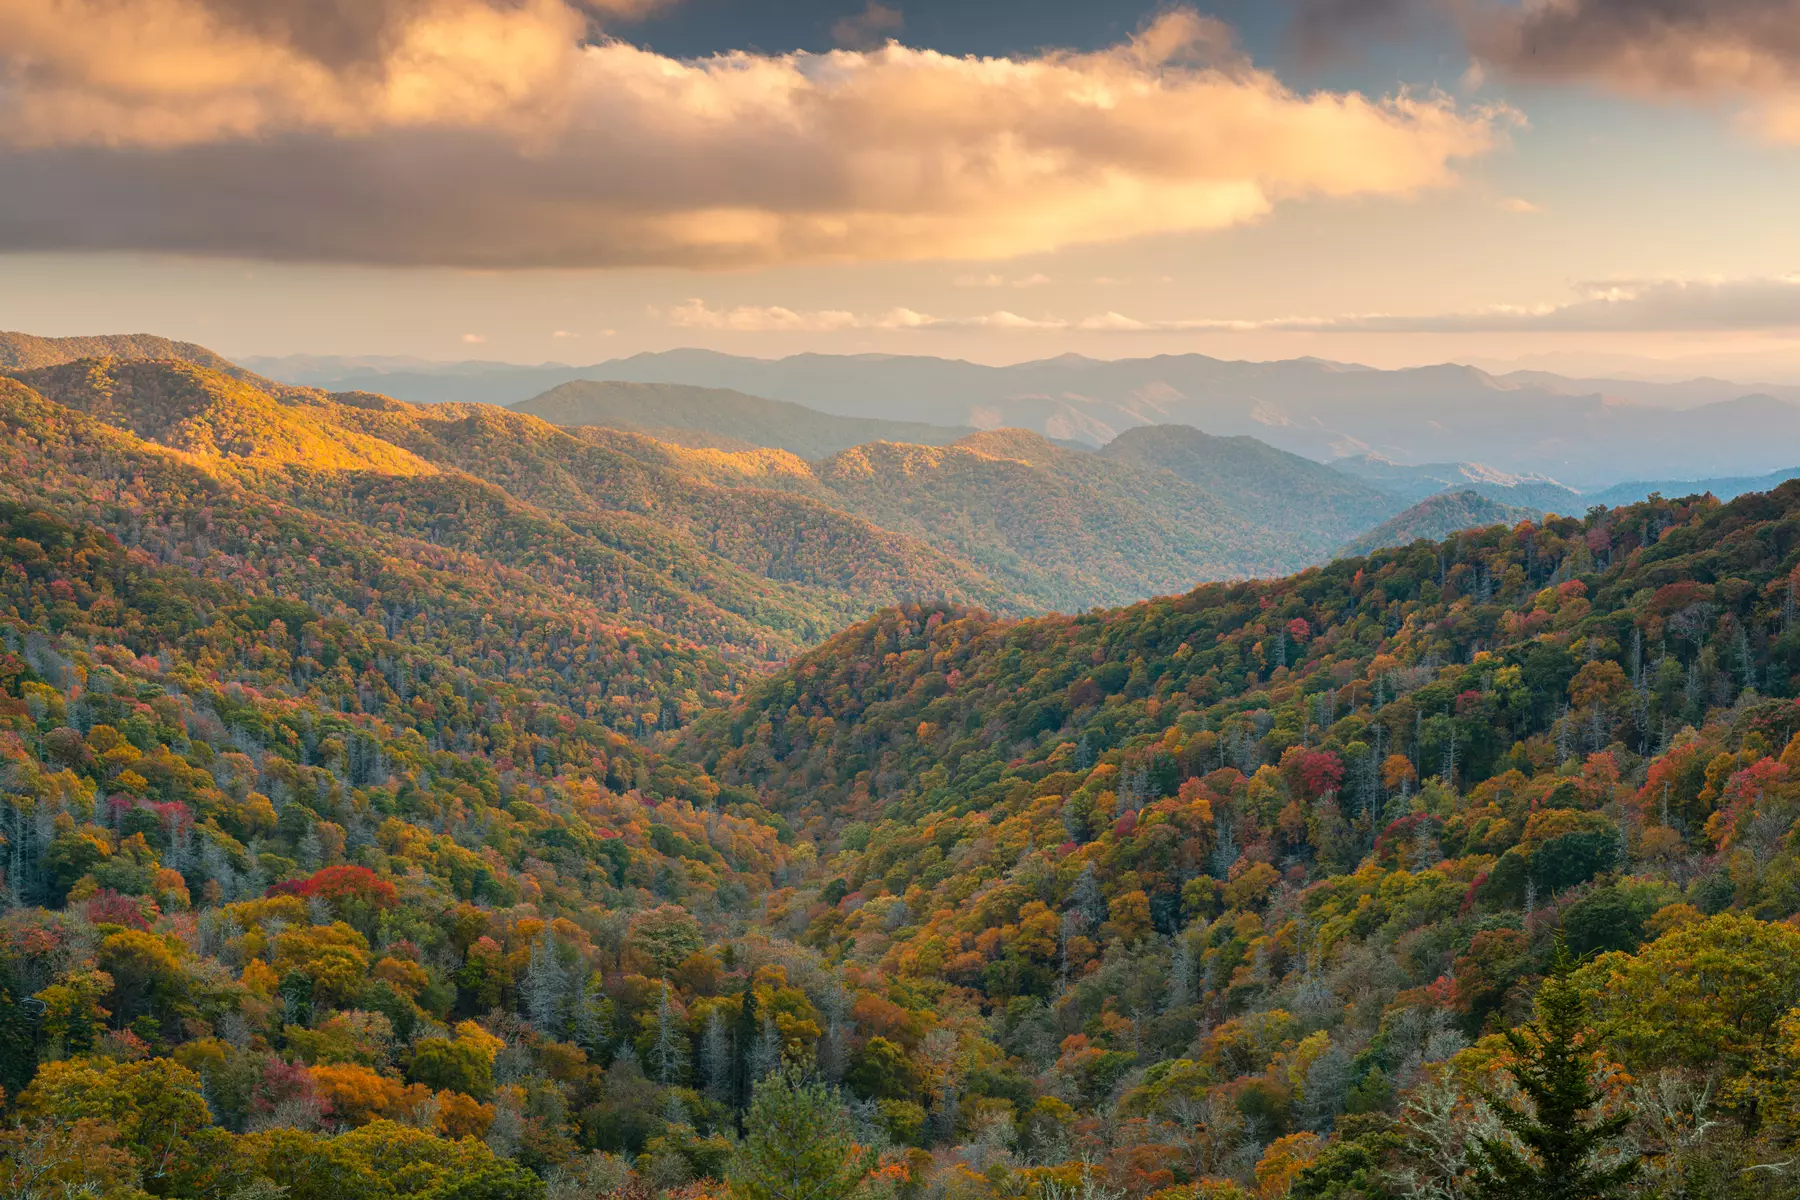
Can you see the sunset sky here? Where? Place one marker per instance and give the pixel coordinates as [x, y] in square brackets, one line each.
[1579, 184]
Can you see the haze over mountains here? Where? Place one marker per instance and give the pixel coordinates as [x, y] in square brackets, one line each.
[1586, 433]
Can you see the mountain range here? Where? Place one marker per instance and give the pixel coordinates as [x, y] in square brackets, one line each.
[727, 555]
[1586, 433]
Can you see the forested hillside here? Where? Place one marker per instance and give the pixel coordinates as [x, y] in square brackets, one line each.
[586, 529]
[361, 834]
[1438, 516]
[1245, 884]
[25, 351]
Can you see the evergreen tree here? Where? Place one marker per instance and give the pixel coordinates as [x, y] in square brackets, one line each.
[668, 1050]
[1551, 1068]
[799, 1144]
[1181, 976]
[715, 1057]
[744, 1041]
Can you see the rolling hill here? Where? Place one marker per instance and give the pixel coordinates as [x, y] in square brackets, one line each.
[24, 351]
[1437, 517]
[1277, 490]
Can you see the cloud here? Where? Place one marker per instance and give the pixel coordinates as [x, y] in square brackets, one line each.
[474, 339]
[696, 314]
[1611, 306]
[875, 24]
[1608, 306]
[1745, 51]
[1518, 204]
[1326, 28]
[508, 133]
[990, 280]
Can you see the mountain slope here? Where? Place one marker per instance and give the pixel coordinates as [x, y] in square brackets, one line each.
[1437, 517]
[347, 853]
[1064, 526]
[439, 602]
[1316, 840]
[1277, 490]
[753, 572]
[200, 411]
[669, 410]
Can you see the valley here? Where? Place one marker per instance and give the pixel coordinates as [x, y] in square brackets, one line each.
[522, 797]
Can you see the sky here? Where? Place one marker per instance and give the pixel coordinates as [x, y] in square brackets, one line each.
[1580, 185]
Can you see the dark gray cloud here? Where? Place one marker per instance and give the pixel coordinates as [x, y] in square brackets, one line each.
[1327, 28]
[1743, 51]
[1679, 45]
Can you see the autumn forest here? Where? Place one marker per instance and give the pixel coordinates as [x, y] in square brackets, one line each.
[436, 803]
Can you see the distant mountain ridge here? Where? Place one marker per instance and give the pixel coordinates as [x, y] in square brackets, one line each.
[1426, 479]
[670, 410]
[1584, 433]
[744, 523]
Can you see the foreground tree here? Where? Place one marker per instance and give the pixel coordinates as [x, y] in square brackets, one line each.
[798, 1144]
[1562, 1142]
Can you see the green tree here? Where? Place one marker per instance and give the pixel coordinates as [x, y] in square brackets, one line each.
[1551, 1065]
[798, 1144]
[155, 1105]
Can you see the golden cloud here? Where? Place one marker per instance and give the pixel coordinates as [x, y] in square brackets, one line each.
[506, 133]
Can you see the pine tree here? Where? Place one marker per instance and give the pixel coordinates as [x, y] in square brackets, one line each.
[799, 1144]
[1551, 1068]
[667, 1050]
[588, 1018]
[744, 1032]
[1181, 975]
[715, 1055]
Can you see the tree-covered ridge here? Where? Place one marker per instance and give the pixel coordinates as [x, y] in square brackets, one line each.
[1437, 517]
[460, 607]
[847, 562]
[1256, 875]
[755, 575]
[214, 417]
[1318, 506]
[1063, 526]
[25, 351]
[1159, 509]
